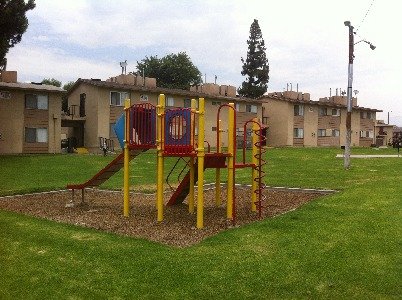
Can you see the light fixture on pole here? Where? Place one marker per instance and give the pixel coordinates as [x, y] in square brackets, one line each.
[123, 66]
[346, 163]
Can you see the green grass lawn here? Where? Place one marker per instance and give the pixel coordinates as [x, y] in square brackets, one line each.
[342, 246]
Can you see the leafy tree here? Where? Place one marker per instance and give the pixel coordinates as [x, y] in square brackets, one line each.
[64, 102]
[55, 82]
[13, 23]
[68, 85]
[256, 66]
[171, 71]
[51, 81]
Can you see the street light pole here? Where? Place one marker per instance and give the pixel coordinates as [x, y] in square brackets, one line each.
[346, 163]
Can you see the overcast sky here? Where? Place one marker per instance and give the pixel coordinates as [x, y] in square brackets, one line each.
[307, 42]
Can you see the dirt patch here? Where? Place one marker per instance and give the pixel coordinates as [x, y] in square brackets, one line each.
[103, 210]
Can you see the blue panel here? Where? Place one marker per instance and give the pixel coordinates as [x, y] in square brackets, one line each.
[186, 138]
[119, 130]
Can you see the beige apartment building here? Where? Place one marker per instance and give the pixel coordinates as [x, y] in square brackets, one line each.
[30, 116]
[295, 120]
[383, 133]
[95, 105]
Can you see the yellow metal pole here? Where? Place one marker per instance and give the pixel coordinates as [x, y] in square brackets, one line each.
[254, 161]
[200, 158]
[160, 159]
[218, 200]
[192, 168]
[126, 176]
[231, 162]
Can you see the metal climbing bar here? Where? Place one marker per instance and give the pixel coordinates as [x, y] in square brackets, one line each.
[258, 162]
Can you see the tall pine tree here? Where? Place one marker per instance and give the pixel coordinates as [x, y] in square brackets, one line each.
[256, 66]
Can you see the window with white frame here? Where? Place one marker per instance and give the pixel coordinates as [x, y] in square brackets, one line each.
[187, 103]
[335, 132]
[35, 135]
[322, 111]
[251, 108]
[117, 98]
[169, 101]
[336, 112]
[321, 132]
[34, 101]
[143, 97]
[298, 110]
[237, 106]
[367, 134]
[298, 133]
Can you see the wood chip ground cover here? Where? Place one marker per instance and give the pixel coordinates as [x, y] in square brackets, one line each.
[102, 210]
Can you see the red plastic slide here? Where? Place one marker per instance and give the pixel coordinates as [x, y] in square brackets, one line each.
[212, 160]
[112, 168]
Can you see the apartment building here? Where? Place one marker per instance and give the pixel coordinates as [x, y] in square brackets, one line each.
[383, 133]
[95, 105]
[30, 116]
[293, 119]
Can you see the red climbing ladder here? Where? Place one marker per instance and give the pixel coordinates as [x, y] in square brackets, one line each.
[212, 160]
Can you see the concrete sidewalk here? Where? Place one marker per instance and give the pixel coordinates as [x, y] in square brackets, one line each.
[367, 156]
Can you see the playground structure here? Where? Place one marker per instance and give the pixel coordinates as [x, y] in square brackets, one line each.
[173, 133]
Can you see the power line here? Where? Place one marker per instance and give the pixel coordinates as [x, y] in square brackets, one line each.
[371, 4]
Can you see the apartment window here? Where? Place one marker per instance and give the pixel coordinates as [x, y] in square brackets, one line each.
[367, 134]
[322, 111]
[322, 132]
[82, 104]
[117, 98]
[336, 112]
[33, 101]
[169, 101]
[35, 135]
[187, 103]
[213, 128]
[298, 133]
[5, 95]
[237, 106]
[251, 108]
[143, 97]
[112, 133]
[335, 132]
[298, 110]
[363, 115]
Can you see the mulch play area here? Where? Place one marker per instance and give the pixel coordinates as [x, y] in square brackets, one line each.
[103, 210]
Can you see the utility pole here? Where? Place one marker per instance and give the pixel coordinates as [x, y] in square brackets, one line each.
[346, 163]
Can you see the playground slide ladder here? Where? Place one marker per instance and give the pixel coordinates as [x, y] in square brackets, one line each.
[112, 168]
[212, 160]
